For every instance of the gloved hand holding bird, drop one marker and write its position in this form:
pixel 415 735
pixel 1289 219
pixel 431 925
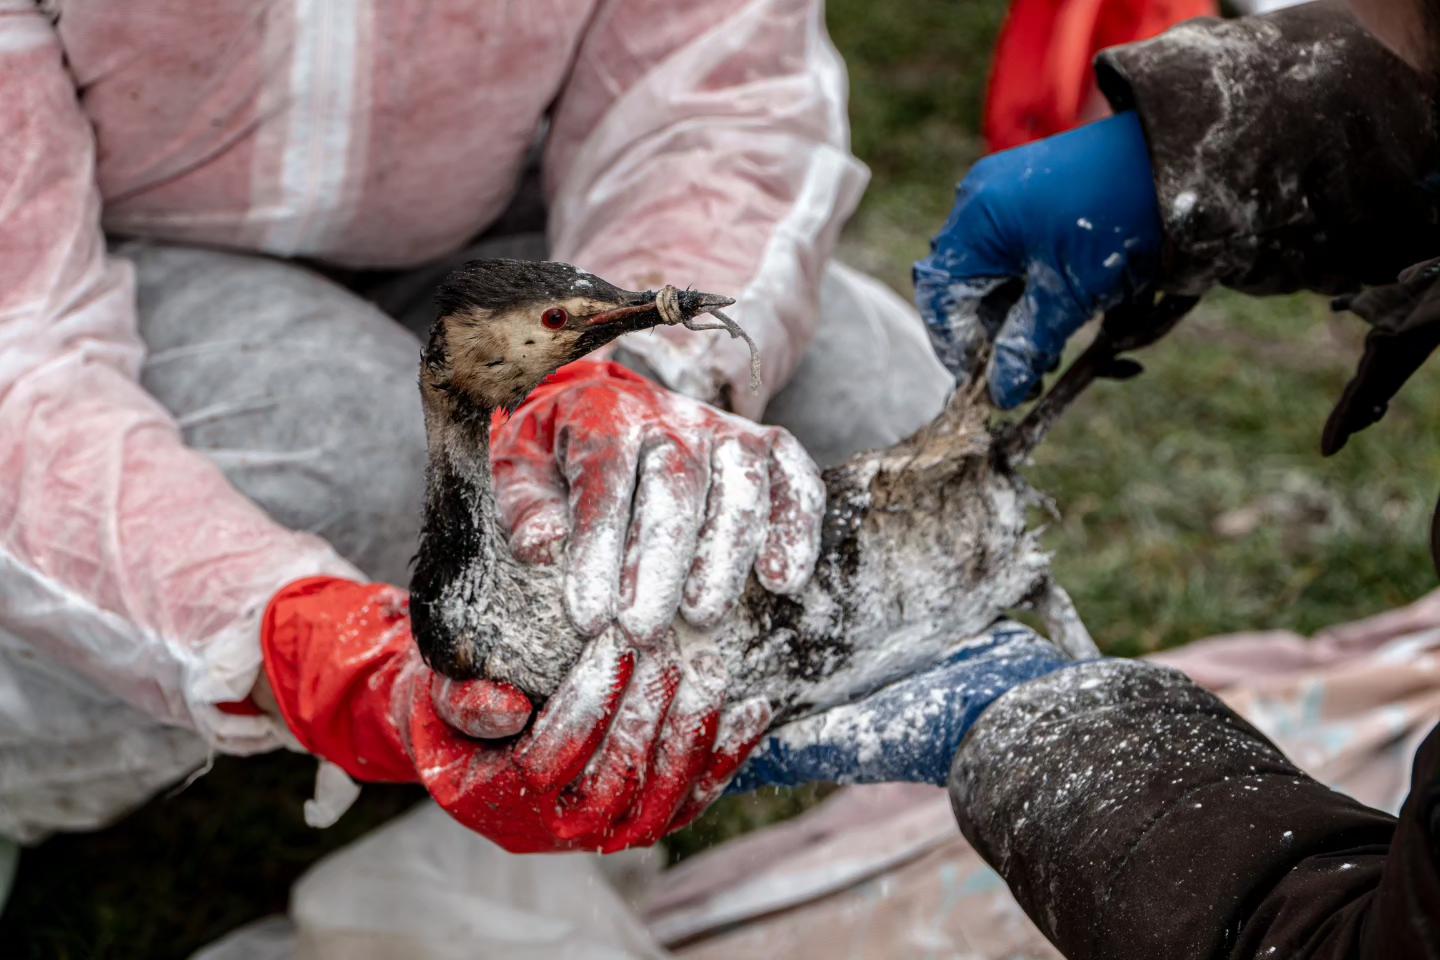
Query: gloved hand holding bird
pixel 577 513
pixel 922 547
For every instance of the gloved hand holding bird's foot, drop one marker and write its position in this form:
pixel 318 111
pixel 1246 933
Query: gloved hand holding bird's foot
pixel 910 729
pixel 621 753
pixel 1042 237
pixel 658 503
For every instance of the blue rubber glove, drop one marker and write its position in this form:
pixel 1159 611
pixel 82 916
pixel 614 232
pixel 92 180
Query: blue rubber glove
pixel 1073 218
pixel 907 731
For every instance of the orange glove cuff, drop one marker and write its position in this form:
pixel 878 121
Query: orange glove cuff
pixel 334 652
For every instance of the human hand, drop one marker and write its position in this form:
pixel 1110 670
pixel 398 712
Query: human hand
pixel 1404 319
pixel 659 502
pixel 909 730
pixel 1041 238
pixel 623 752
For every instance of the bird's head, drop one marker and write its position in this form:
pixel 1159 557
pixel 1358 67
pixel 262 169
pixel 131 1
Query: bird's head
pixel 505 325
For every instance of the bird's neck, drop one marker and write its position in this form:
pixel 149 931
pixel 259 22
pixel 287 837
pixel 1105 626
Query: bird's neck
pixel 460 540
pixel 458 482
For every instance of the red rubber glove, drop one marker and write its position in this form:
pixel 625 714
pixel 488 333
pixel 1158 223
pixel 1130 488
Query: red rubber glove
pixel 350 684
pixel 666 503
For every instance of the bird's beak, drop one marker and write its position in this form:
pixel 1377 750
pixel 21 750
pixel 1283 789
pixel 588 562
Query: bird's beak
pixel 640 311
pixel 643 314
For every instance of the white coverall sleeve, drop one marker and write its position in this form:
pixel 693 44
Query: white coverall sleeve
pixel 125 558
pixel 706 143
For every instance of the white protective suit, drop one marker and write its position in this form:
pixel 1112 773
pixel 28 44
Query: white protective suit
pixel 701 142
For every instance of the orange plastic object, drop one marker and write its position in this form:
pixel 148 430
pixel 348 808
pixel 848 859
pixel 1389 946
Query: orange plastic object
pixel 1042 82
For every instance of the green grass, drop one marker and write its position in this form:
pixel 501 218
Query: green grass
pixel 918 70
pixel 1193 501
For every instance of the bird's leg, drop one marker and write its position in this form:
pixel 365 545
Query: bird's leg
pixel 1125 328
pixel 1062 622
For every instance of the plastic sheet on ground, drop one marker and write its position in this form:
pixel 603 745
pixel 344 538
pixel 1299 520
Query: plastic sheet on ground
pixel 424 888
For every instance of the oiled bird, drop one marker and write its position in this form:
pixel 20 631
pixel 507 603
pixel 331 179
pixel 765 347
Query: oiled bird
pixel 923 545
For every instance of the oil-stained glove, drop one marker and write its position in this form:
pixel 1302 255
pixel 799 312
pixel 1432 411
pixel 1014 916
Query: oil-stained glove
pixel 1404 319
pixel 622 747
pixel 1041 239
pixel 909 730
pixel 658 502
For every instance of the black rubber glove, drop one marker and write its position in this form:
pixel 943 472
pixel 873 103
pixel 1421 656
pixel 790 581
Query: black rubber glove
pixel 1404 320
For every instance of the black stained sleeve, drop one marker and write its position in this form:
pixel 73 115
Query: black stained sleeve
pixel 1133 816
pixel 1290 151
pixel 1359 902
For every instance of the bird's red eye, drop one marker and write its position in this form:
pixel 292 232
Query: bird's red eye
pixel 554 318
